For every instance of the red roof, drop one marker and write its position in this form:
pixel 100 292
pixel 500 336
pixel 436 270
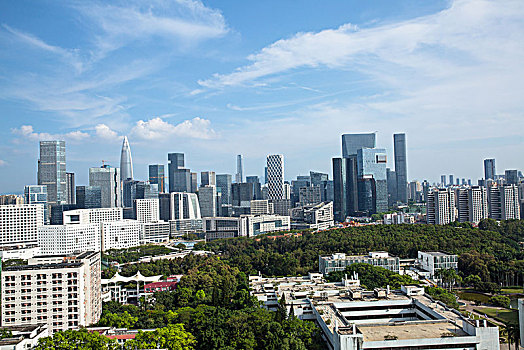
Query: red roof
pixel 122 336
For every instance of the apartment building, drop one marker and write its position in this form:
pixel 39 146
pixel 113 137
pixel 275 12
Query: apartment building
pixel 63 292
pixel 19 223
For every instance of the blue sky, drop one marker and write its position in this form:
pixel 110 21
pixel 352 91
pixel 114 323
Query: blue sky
pixel 216 78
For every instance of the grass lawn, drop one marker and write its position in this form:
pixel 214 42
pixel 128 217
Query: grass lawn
pixel 512 290
pixel 472 296
pixel 504 315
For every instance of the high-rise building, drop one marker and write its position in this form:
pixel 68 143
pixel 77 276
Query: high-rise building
pixel 309 195
pixel 63 292
pixel 239 177
pixel 391 177
pixel 243 193
pixel 146 210
pixel 194 182
pixel 351 143
pixel 37 194
pixel 224 182
pixel 57 213
pixel 317 178
pixel 512 177
pixel 440 206
pixel 252 179
pixel 134 189
pixel 179 206
pixel 157 176
pixel 88 197
pixel 19 224
pixel 372 180
pixel 6 199
pixel 126 162
pixel 401 168
pixel 52 170
pixel 345 187
pixel 70 188
pixel 108 179
pixel 275 175
pixel 477 204
pixel 443 180
pixel 503 202
pixel 208 178
pixel 179 177
pixel 207 196
pixel 489 169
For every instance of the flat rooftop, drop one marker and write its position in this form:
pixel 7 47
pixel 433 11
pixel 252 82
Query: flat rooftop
pixel 410 330
pixel 437 253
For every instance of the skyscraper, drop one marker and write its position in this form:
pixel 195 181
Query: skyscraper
pixel 52 170
pixel 512 177
pixel 443 180
pixel 372 180
pixel 179 177
pixel 440 206
pixel 275 176
pixel 345 201
pixel 239 177
pixel 194 182
pixel 207 196
pixel 157 176
pixel 392 186
pixel 224 184
pixel 126 162
pixel 451 180
pixel 489 169
pixel 70 185
pixel 88 197
pixel 208 178
pixel 351 143
pixel 401 169
pixel 108 179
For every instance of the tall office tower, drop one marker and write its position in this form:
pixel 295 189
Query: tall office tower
pixel 401 167
pixel 88 197
pixel 345 201
pixel 275 176
pixel 239 177
pixel 440 206
pixel 19 224
pixel 351 143
pixel 57 213
pixel 425 190
pixel 503 202
pixel 317 178
pixel 252 179
pixel 309 195
pixel 443 180
pixel 372 190
pixel 63 292
pixel 146 190
pixel 415 191
pixel 194 182
pixel 469 182
pixel 224 182
pixel 37 194
pixel 179 206
pixel 157 176
pixel 128 192
pixel 392 186
pixel 207 199
pixel 108 179
pixel 296 185
pixel 70 188
pixel 126 162
pixel 489 169
pixel 327 191
pixel 52 170
pixel 287 191
pixel 451 180
pixel 512 177
pixel 265 175
pixel 179 177
pixel 457 181
pixel 146 210
pixel 208 178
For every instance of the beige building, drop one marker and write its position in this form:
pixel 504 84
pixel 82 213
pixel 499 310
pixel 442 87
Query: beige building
pixel 62 291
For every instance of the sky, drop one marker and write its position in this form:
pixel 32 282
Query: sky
pixel 213 79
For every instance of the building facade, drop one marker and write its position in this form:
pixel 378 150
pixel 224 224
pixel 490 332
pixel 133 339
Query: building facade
pixel 19 224
pixel 157 176
pixel 440 206
pixel 52 170
pixel 401 167
pixel 339 261
pixel 275 176
pixel 108 179
pixel 126 162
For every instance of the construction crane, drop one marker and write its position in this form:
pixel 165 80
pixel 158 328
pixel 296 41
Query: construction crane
pixel 103 162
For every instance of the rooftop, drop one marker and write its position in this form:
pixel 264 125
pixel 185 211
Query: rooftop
pixel 410 330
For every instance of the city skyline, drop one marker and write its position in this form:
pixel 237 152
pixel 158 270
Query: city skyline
pixel 222 87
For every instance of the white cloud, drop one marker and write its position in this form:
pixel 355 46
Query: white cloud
pixel 159 129
pixel 105 132
pixel 469 32
pixel 27 133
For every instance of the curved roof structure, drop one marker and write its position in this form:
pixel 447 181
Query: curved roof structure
pixel 138 277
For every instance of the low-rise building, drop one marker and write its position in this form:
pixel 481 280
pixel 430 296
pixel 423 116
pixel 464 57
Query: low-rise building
pixel 120 234
pixel 67 239
pixel 19 224
pixel 185 226
pixel 63 292
pixel 339 261
pixel 434 261
pixel 23 337
pixel 244 226
pixel 316 216
pixel 155 232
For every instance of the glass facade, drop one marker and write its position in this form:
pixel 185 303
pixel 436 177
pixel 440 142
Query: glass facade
pixel 52 170
pixel 372 165
pixel 351 143
pixel 157 176
pixel 88 197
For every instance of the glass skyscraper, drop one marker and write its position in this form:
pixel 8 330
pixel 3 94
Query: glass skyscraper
pixel 489 169
pixel 179 177
pixel 372 165
pixel 224 182
pixel 52 170
pixel 401 168
pixel 88 197
pixel 37 194
pixel 351 143
pixel 157 176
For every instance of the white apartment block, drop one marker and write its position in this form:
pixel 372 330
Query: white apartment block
pixel 504 202
pixel 67 239
pixel 19 223
pixel 261 207
pixel 63 292
pixel 147 210
pixel 121 234
pixel 155 232
pixel 440 206
pixel 478 204
pixel 434 261
pixel 92 216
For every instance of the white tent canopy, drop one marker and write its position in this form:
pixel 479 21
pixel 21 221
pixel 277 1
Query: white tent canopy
pixel 138 277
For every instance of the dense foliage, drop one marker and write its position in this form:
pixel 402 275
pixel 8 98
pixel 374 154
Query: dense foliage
pixel 492 252
pixel 81 340
pixel 134 253
pixel 443 295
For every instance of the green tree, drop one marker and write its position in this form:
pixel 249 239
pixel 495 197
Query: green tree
pixel 81 340
pixel 172 337
pixel 123 320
